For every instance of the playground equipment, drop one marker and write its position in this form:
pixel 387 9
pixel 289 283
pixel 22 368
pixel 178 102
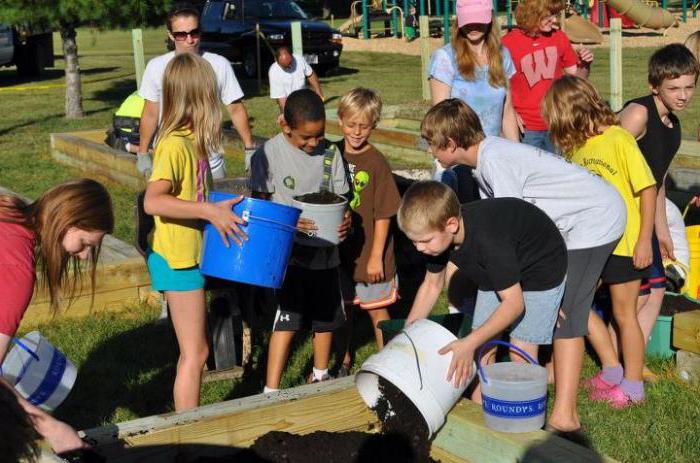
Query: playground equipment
pixel 581 30
pixel 391 13
pixel 642 14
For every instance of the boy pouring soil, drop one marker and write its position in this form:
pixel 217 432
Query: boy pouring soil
pixel 509 247
pixel 297 162
pixel 368 272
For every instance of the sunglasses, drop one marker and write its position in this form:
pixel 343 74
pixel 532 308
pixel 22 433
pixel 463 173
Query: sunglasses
pixel 182 35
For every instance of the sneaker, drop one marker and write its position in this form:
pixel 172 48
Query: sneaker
pixel 312 380
pixel 614 396
pixel 597 383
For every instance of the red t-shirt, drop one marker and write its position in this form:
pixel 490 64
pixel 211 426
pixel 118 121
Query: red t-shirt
pixel 17 275
pixel 538 62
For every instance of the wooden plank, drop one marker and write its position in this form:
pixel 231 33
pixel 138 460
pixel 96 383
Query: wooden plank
pixel 139 61
pixel 424 26
pixel 615 64
pixel 466 436
pixel 220 375
pixel 686 331
pixel 688 366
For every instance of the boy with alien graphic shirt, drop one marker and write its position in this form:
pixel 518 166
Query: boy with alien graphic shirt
pixel 368 272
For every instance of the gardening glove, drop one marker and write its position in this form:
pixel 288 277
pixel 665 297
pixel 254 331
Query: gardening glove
pixel 249 152
pixel 218 172
pixel 144 164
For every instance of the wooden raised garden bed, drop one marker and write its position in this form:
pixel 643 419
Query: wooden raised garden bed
pixel 226 428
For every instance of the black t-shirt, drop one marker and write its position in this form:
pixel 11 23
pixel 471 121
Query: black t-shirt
pixel 660 143
pixel 507 241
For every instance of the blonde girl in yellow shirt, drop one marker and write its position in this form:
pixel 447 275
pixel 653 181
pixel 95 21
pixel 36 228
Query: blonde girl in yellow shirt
pixel 588 133
pixel 176 196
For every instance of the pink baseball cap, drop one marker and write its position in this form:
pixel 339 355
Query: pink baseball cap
pixel 474 12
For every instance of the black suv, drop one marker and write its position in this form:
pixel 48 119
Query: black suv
pixel 228 29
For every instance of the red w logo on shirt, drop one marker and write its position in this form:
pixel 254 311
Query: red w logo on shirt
pixel 539 65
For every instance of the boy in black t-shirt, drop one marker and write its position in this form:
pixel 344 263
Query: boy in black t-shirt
pixel 507 246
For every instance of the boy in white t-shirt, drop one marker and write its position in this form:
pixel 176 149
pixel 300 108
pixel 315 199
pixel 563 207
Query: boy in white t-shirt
pixel 289 73
pixel 587 210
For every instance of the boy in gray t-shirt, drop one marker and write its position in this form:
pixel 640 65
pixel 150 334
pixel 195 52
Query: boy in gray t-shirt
pixel 288 165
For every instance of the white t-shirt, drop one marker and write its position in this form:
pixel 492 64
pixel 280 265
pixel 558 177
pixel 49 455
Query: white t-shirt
pixel 152 83
pixel 227 86
pixel 676 225
pixel 588 211
pixel 285 81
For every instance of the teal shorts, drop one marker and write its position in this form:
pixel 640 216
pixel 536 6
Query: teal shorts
pixel 163 278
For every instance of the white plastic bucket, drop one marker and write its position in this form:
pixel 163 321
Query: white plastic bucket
pixel 411 362
pixel 39 372
pixel 514 395
pixel 327 218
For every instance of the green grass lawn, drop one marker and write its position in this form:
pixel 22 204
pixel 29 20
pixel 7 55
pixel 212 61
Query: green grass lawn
pixel 127 363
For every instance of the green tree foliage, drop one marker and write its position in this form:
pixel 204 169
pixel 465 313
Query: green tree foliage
pixel 65 16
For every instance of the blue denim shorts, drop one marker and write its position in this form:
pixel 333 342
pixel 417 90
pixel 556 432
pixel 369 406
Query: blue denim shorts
pixel 536 324
pixel 164 278
pixel 539 139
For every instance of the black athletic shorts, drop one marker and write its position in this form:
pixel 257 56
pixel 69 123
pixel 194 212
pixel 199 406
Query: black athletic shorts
pixel 309 299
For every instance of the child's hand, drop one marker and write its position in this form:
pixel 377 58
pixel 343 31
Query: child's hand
pixel 643 256
pixel 344 227
pixel 585 57
pixel 462 358
pixel 225 221
pixel 307 226
pixel 695 201
pixel 666 245
pixel 375 269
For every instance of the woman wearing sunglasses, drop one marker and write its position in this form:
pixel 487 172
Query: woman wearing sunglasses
pixel 184 31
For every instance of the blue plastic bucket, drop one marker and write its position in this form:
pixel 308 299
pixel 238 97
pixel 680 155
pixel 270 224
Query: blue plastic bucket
pixel 514 394
pixel 262 259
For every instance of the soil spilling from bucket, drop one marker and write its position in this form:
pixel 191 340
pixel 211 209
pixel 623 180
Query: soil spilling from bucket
pixel 321 197
pixel 404 439
pixel 672 305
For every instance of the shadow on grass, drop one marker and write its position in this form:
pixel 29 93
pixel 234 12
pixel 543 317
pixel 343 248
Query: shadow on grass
pixel 116 93
pixel 135 369
pixel 10 77
pixel 45 119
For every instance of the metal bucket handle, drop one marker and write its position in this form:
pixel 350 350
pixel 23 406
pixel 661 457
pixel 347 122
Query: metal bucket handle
pixel 415 353
pixel 24 365
pixel 247 217
pixel 502 343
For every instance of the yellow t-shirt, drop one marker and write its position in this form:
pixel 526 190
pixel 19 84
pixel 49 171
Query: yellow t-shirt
pixel 179 241
pixel 615 156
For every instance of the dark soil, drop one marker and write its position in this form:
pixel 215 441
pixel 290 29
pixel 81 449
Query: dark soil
pixel 403 439
pixel 675 304
pixel 322 197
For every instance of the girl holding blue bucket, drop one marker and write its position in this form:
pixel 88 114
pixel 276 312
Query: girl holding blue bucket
pixel 176 195
pixel 64 225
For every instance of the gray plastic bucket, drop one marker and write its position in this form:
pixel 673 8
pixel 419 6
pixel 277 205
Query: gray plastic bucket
pixel 514 394
pixel 327 218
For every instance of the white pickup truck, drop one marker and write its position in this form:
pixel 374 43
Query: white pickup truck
pixel 30 52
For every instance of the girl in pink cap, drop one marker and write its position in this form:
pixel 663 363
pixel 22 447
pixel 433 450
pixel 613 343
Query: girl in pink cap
pixel 541 53
pixel 475 68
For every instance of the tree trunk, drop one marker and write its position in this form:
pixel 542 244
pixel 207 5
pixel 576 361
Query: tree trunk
pixel 74 97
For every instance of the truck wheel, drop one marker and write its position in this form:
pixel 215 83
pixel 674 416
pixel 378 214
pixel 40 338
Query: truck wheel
pixel 29 60
pixel 250 65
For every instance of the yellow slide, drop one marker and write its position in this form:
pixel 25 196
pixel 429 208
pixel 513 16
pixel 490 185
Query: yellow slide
pixel 644 15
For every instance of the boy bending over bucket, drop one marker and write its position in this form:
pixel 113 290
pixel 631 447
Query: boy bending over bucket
pixel 507 246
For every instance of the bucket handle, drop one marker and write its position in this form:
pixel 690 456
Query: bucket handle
pixel 415 352
pixel 26 365
pixel 502 343
pixel 246 216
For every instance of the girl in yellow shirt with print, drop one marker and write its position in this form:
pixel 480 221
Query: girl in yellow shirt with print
pixel 588 133
pixel 176 196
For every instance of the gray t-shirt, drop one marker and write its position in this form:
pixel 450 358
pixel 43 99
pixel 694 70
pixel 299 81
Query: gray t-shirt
pixel 285 171
pixel 587 210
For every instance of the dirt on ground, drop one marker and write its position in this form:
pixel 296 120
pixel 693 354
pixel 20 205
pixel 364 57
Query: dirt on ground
pixel 640 37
